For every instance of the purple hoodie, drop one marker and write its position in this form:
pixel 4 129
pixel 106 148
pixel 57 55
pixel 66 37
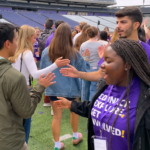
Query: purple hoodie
pixel 49 40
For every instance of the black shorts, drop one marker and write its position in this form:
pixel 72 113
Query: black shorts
pixel 54 98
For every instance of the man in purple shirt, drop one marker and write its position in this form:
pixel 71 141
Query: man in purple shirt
pixel 57 23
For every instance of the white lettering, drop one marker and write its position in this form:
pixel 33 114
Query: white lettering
pixel 96 122
pixel 108 128
pixel 95 113
pixel 106 108
pixel 117 132
pixel 100 97
pixel 113 131
pixel 104 98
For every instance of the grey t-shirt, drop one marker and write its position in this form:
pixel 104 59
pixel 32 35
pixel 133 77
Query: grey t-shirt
pixel 93 49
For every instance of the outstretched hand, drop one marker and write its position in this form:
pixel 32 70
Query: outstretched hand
pixel 63 103
pixel 61 62
pixel 145 22
pixel 47 80
pixel 70 72
pixel 101 50
pixel 86 55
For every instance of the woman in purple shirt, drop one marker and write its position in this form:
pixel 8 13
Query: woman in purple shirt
pixel 120 109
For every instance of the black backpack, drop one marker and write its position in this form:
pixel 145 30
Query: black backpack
pixel 43 38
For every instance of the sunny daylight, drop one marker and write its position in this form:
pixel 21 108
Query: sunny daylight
pixel 75 74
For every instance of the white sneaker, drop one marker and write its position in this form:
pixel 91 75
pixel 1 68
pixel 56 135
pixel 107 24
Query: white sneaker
pixel 52 113
pixel 47 105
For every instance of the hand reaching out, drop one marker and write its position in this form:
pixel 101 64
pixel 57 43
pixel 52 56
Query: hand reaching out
pixel 61 62
pixel 146 21
pixel 70 72
pixel 47 80
pixel 101 50
pixel 86 55
pixel 63 103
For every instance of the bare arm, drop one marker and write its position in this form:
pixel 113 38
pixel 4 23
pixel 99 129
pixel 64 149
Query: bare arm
pixel 74 73
pixel 147 31
pixel 91 76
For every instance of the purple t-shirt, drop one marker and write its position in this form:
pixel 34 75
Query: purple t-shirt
pixel 105 105
pixel 49 40
pixel 148 41
pixel 35 47
pixel 145 46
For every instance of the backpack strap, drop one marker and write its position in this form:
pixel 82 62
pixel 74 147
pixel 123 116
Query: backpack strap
pixel 21 62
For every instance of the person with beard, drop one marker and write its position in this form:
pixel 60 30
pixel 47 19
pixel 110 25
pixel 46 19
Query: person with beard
pixel 129 20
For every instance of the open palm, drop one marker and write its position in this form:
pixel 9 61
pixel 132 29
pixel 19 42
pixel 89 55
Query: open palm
pixel 69 72
pixel 63 103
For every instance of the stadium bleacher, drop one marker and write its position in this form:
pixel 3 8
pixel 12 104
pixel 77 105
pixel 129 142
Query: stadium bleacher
pixel 56 17
pixel 103 22
pixel 32 18
pixel 92 20
pixel 17 19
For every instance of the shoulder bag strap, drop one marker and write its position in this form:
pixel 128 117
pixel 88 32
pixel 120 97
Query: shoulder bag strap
pixel 21 62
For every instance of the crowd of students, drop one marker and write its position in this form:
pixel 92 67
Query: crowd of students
pixel 110 72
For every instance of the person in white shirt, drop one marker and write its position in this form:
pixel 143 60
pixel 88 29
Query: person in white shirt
pixel 24 62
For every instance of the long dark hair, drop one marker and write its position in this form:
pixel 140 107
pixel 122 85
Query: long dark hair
pixel 61 44
pixel 135 57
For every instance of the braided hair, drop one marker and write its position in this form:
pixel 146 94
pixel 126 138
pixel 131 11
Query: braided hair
pixel 134 56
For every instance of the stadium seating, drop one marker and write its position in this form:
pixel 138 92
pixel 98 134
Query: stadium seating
pixel 21 17
pixel 103 21
pixel 19 20
pixel 56 17
pixel 34 17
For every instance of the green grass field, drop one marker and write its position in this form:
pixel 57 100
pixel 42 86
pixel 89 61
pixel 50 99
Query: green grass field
pixel 41 137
